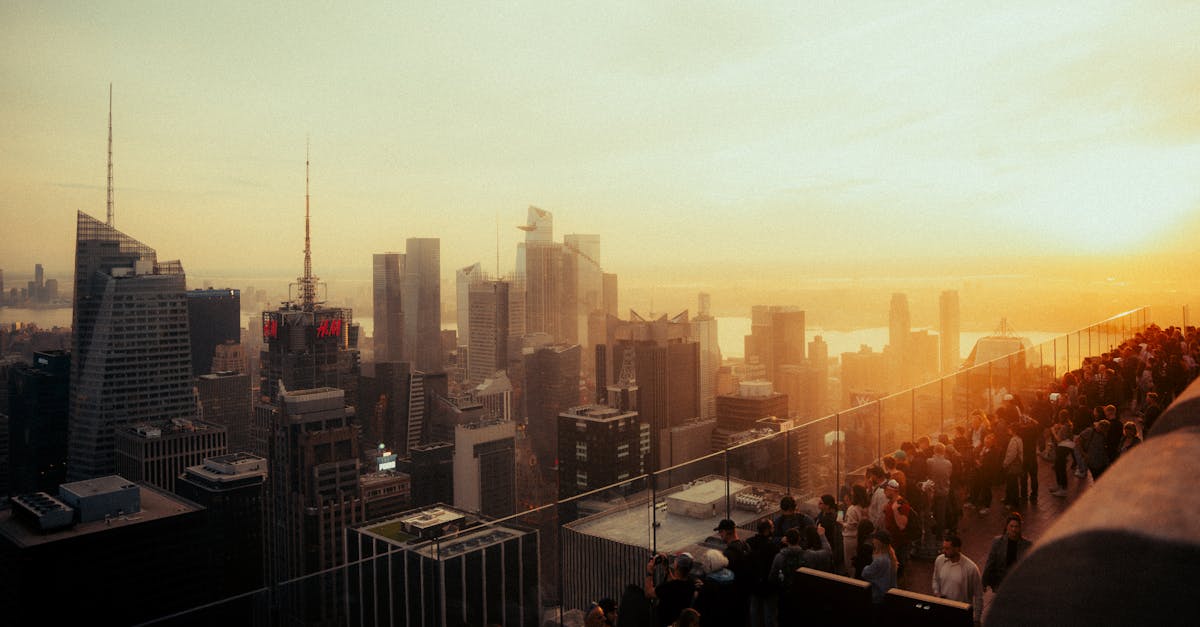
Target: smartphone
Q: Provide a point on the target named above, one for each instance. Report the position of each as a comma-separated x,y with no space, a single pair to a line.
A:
841,517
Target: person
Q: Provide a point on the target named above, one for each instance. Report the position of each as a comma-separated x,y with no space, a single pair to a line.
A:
1030,432
956,577
676,592
1151,412
1129,438
827,520
737,554
818,554
866,550
789,559
719,597
1007,549
876,476
789,518
1063,449
602,613
1013,465
940,469
896,519
987,469
688,618
764,594
855,514
882,571
1095,449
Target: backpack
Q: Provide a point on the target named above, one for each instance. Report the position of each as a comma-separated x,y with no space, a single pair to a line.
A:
792,561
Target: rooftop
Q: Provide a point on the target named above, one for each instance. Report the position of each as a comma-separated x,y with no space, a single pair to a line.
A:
156,505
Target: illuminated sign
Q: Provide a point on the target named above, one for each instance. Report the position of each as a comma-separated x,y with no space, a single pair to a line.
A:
270,329
329,328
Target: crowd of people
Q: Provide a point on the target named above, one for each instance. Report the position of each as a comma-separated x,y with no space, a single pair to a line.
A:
920,493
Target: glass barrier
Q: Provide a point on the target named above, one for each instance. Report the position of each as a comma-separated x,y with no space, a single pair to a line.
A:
550,561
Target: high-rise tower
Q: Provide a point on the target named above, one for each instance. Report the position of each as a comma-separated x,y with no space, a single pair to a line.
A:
306,344
422,298
130,354
387,278
539,268
488,349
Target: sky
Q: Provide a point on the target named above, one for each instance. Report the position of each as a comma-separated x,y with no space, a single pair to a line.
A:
698,139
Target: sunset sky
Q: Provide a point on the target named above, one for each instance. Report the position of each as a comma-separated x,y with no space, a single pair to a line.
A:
690,136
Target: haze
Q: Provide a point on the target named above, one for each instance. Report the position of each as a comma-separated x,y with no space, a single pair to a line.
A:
705,143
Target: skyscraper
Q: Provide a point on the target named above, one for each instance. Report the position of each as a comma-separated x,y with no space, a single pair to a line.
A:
488,311
704,331
37,412
130,353
551,387
899,323
157,452
225,400
213,319
464,278
599,446
948,331
422,298
539,264
387,276
306,344
584,251
485,467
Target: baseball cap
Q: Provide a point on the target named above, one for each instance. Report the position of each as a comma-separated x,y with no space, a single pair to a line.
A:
725,525
892,483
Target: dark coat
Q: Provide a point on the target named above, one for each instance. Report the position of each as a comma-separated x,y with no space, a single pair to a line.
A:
997,567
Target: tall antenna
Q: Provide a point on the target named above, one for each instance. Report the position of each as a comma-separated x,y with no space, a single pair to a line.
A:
497,243
308,283
110,182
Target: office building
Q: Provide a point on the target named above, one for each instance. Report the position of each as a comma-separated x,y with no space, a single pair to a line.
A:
37,421
899,323
157,452
431,467
667,362
551,387
230,487
704,332
581,253
130,351
609,286
386,281
485,467
422,298
395,405
949,322
495,394
64,555
464,278
739,412
599,446
436,566
385,492
864,377
489,316
225,401
539,266
776,338
213,319
231,357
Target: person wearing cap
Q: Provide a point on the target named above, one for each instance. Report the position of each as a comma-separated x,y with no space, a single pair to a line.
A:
740,563
896,517
676,592
789,518
881,572
1006,550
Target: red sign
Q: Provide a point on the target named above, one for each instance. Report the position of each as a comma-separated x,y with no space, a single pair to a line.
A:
270,329
329,328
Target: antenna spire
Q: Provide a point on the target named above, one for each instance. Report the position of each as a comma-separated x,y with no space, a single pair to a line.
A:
110,180
308,283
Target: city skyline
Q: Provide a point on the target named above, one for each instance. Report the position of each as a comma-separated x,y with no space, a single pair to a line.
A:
979,132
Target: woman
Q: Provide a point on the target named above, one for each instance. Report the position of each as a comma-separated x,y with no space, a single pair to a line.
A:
1129,438
865,551
717,600
881,572
1064,447
855,514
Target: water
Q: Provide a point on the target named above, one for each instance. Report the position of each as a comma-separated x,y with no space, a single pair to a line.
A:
44,318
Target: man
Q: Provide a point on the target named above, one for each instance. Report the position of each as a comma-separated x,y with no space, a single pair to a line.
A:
940,470
956,577
1013,465
1095,449
1030,432
603,613
737,552
828,521
783,570
764,595
896,519
1006,550
876,477
676,592
789,518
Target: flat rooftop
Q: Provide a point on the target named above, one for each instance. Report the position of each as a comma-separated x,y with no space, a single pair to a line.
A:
707,491
156,505
468,542
631,524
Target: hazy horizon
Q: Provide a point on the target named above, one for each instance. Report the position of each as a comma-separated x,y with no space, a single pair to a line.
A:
724,149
